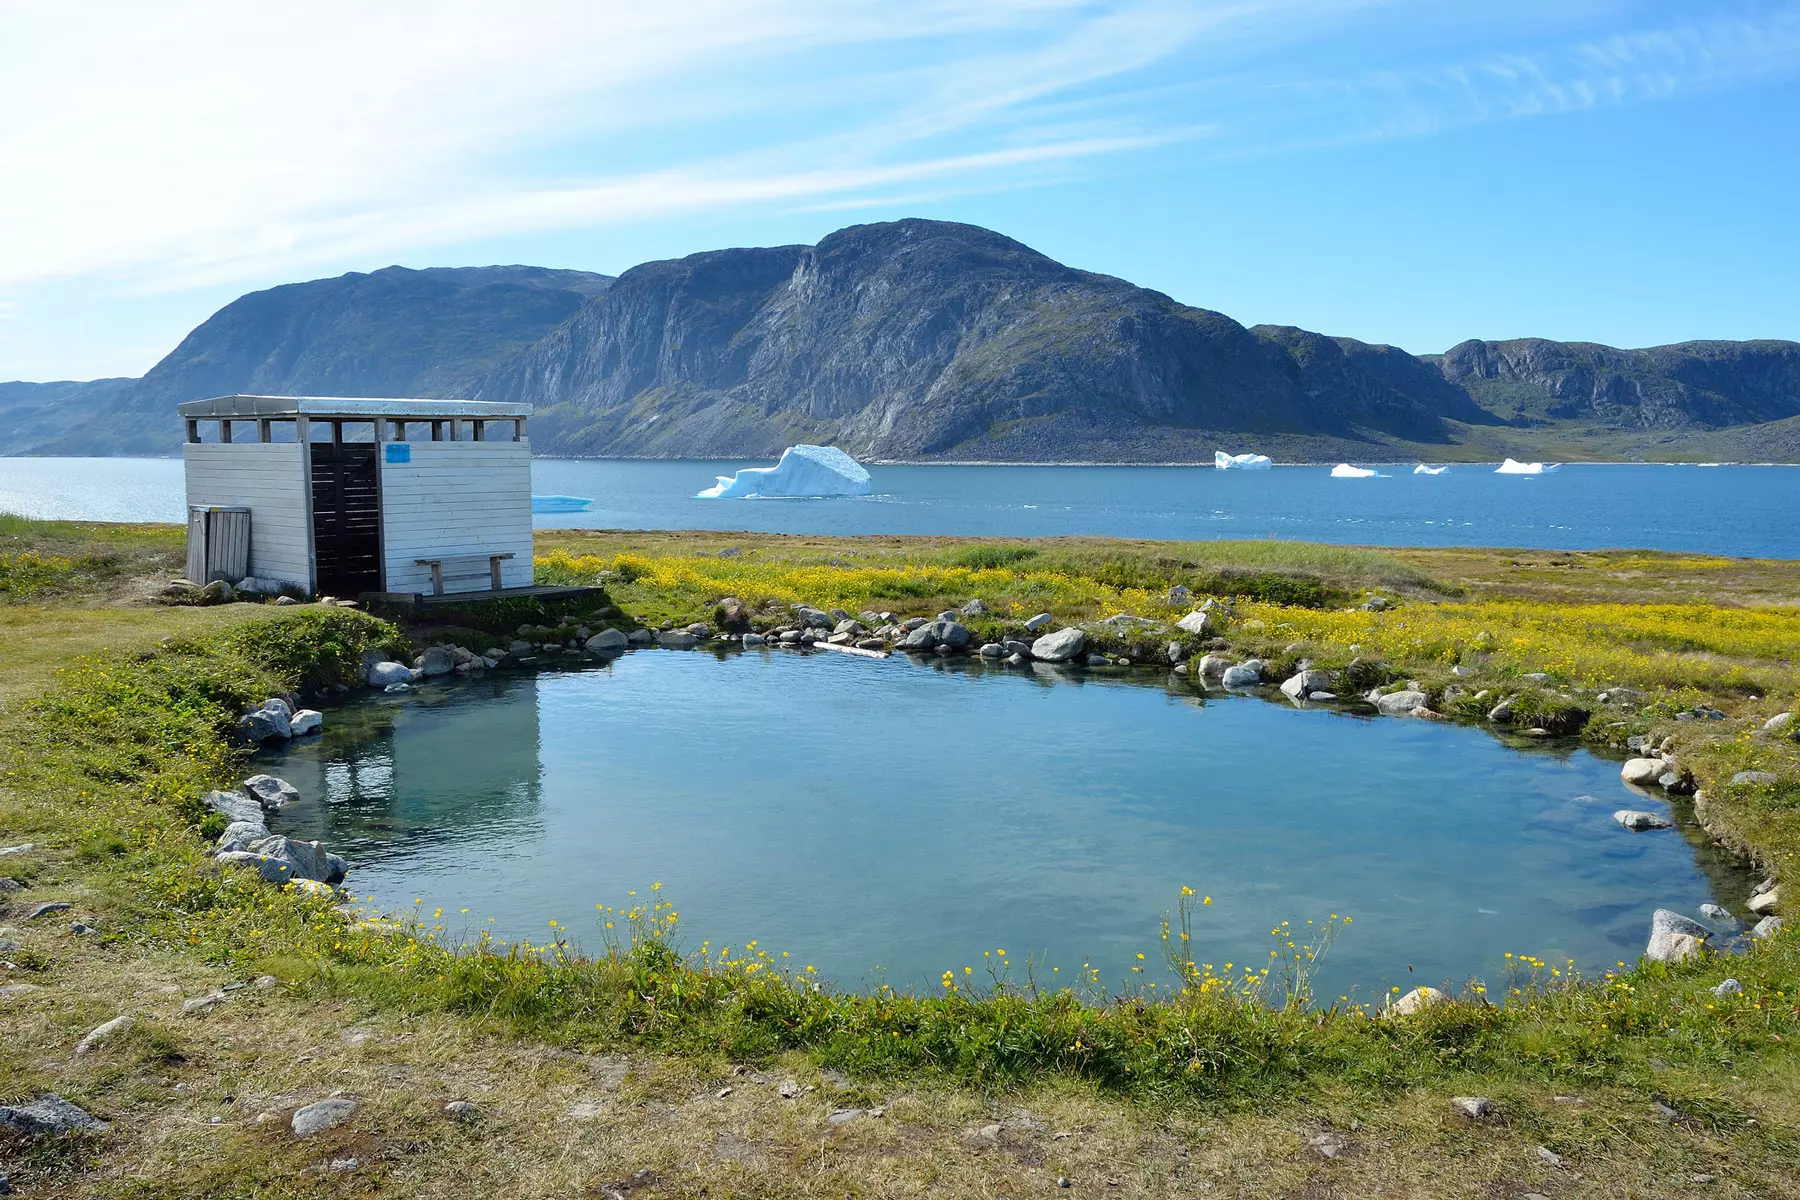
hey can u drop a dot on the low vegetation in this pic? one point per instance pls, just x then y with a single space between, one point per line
662 1067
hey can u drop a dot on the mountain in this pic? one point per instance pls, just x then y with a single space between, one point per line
393 332
921 340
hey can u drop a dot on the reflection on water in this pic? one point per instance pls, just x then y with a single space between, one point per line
903 817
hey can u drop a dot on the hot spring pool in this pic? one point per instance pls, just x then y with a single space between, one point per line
887 820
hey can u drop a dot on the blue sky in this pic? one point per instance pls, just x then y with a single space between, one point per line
1404 172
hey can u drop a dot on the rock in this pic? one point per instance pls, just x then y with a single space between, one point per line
1765 902
1241 675
1399 704
326 1114
677 639
1197 623
922 638
1549 1157
975 608
1641 771
99 1034
789 1089
1038 622
47 908
640 637
1730 987
610 641
1755 779
1418 999
753 639
396 689
843 1116
1501 713
1017 660
1060 646
270 792
1302 684
1474 1107
1098 660
307 721
1779 723
1637 818
281 859
200 1005
1719 918
461 1110
47 1116
992 650
266 725
1674 938
952 634
436 661
218 592
21 848
1765 927
1374 604
234 806
1179 595
386 674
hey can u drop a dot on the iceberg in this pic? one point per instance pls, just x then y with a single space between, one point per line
1422 469
1514 467
1346 471
1240 462
552 504
804 471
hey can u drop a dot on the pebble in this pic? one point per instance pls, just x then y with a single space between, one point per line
326 1114
203 1004
1730 987
461 1110
1474 1107
843 1116
1549 1157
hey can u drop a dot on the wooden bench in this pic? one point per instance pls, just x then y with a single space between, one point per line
465 566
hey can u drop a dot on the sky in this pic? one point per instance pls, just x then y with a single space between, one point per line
1414 173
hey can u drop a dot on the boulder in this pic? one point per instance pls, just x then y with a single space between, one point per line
733 613
1212 666
266 725
1303 683
218 592
951 633
1765 902
677 639
1766 927
992 650
753 639
436 661
1060 646
1197 623
1717 917
239 834
1637 818
280 859
1418 999
1098 660
1642 771
975 608
1779 723
47 1116
1038 622
326 1114
608 642
1177 653
922 638
1241 675
233 806
1401 703
1501 713
385 674
1674 938
640 637
270 792
307 721
1017 660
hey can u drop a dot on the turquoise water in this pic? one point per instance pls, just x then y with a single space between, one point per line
1735 510
892 819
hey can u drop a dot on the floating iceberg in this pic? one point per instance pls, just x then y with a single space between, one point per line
802 471
1514 467
1240 462
1422 469
1346 471
549 504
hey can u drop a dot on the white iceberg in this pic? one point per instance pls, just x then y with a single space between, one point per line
804 471
1514 467
1240 462
1346 471
1422 469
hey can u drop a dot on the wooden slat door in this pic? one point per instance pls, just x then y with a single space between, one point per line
346 501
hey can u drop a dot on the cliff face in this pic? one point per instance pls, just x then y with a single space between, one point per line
912 339
920 339
1691 385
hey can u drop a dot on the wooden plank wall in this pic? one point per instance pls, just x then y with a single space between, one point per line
457 498
269 478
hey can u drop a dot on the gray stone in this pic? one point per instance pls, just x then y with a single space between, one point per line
1755 779
47 908
1637 818
218 592
1401 703
1730 987
975 608
922 638
307 721
1177 653
1038 622
1179 595
1197 623
282 859
386 674
201 1005
1212 666
1474 1107
1779 723
753 639
461 1110
1060 646
1766 901
1501 713
270 792
1304 683
233 806
1674 938
99 1034
12 991
677 639
21 848
992 650
1549 1157
609 641
1098 660
1418 999
1017 660
326 1114
1766 927
1245 674
640 637
239 834
47 1116
951 633
843 1116
436 661
1718 917
1641 771
266 725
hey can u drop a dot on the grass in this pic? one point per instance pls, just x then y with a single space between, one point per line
590 1070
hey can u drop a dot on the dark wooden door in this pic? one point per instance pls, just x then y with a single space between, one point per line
346 500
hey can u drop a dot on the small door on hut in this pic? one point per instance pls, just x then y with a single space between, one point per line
346 502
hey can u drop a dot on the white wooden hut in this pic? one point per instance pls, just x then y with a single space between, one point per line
348 496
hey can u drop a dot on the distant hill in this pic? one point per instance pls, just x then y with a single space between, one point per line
922 340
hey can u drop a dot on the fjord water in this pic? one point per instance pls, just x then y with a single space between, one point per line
1733 510
893 819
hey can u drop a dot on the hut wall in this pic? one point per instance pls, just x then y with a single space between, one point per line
269 478
453 499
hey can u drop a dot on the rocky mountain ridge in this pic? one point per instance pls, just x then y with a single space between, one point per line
910 340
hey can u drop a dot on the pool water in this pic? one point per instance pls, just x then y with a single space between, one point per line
886 820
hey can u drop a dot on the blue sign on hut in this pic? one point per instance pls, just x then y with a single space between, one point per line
347 496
